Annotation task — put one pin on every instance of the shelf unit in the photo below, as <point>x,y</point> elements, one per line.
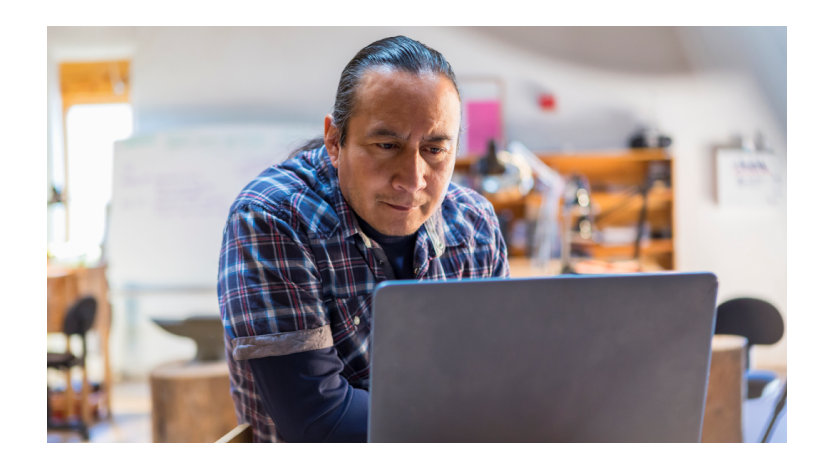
<point>615,179</point>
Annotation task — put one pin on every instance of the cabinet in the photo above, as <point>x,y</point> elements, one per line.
<point>618,180</point>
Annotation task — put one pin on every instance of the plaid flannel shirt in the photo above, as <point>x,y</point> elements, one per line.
<point>296,273</point>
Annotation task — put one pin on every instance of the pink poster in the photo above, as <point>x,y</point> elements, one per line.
<point>483,124</point>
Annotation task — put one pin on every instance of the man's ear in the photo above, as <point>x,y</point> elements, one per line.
<point>332,134</point>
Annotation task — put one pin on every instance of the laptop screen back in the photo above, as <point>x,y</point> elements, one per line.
<point>603,358</point>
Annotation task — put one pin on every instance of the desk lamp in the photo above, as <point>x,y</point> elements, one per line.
<point>547,224</point>
<point>502,175</point>
<point>576,196</point>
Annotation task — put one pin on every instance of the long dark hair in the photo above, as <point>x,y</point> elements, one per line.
<point>398,53</point>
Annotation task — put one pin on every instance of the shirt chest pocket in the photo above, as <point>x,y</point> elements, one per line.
<point>350,315</point>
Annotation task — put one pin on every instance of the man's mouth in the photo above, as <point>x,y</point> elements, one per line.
<point>400,208</point>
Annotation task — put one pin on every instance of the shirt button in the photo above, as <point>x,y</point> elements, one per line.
<point>356,320</point>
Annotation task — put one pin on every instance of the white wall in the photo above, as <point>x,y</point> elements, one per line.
<point>187,76</point>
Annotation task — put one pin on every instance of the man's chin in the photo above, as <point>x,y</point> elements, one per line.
<point>394,222</point>
<point>397,229</point>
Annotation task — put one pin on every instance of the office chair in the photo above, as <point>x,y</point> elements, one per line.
<point>759,322</point>
<point>777,411</point>
<point>78,321</point>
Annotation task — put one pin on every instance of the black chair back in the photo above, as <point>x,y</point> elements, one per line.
<point>756,319</point>
<point>759,322</point>
<point>80,316</point>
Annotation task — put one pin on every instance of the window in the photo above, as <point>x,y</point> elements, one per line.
<point>91,131</point>
<point>97,113</point>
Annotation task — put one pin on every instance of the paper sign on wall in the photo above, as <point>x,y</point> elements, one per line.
<point>747,178</point>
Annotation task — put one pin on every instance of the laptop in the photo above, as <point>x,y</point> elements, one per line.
<point>591,358</point>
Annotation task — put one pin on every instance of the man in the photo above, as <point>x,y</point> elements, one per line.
<point>308,240</point>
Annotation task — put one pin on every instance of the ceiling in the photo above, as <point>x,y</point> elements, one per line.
<point>622,49</point>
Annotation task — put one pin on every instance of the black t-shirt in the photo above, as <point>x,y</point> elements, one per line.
<point>398,250</point>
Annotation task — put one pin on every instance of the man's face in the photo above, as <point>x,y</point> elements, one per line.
<point>399,154</point>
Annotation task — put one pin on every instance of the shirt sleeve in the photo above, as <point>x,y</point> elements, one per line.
<point>308,398</point>
<point>269,288</point>
<point>273,312</point>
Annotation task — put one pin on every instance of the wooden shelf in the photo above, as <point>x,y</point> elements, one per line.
<point>615,177</point>
<point>615,208</point>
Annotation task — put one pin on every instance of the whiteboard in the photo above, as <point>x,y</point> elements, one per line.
<point>171,196</point>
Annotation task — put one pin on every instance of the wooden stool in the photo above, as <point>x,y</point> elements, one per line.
<point>190,402</point>
<point>725,392</point>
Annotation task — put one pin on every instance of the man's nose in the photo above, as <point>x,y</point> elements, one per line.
<point>410,172</point>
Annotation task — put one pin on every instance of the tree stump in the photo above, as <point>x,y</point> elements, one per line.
<point>191,402</point>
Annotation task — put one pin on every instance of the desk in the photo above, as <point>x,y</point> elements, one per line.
<point>61,291</point>
<point>524,267</point>
<point>725,391</point>
<point>64,285</point>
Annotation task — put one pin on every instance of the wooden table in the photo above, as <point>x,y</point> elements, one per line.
<point>61,291</point>
<point>725,392</point>
<point>65,285</point>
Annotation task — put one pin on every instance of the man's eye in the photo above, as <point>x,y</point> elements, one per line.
<point>385,146</point>
<point>436,151</point>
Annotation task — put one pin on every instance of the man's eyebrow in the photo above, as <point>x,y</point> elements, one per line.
<point>437,138</point>
<point>383,132</point>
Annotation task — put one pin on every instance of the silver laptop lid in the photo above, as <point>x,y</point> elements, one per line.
<point>599,358</point>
